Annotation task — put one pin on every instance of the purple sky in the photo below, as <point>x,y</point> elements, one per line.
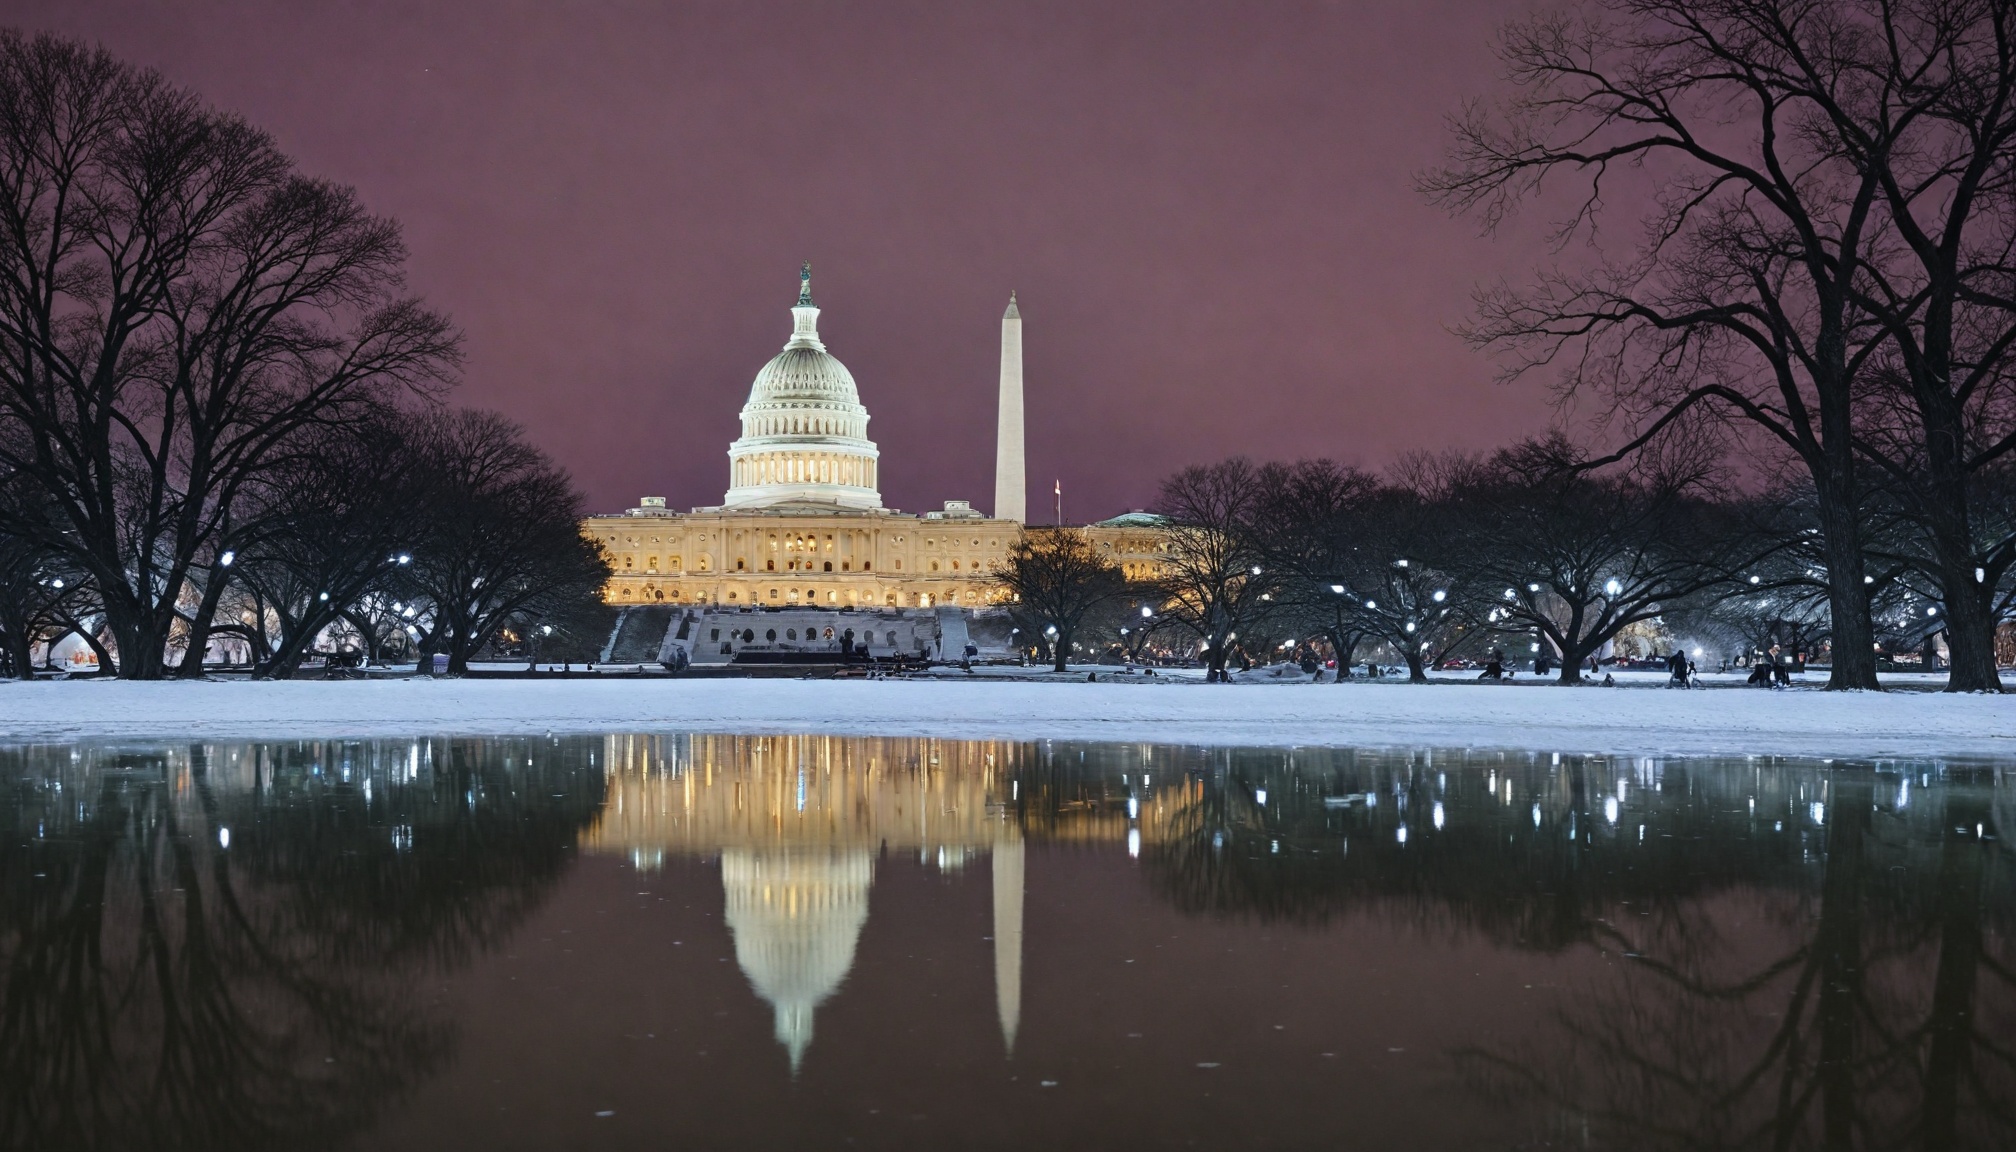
<point>1207,212</point>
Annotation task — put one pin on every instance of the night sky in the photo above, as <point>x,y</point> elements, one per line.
<point>1207,212</point>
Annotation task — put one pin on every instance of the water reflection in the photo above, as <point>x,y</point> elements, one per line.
<point>1805,955</point>
<point>217,947</point>
<point>224,946</point>
<point>797,822</point>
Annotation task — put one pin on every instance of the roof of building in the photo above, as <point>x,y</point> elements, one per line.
<point>1134,519</point>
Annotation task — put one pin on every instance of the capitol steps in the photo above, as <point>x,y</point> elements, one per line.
<point>639,635</point>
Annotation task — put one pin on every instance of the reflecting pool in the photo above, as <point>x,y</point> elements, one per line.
<point>799,942</point>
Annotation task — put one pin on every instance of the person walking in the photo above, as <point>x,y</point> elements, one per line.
<point>1676,667</point>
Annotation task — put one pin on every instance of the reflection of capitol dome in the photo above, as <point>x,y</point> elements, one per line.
<point>796,917</point>
<point>804,431</point>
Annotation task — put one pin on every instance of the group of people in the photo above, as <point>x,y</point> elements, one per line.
<point>1771,671</point>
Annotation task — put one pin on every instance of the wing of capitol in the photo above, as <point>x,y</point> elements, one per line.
<point>802,530</point>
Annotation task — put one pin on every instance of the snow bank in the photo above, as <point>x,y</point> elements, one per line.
<point>1624,720</point>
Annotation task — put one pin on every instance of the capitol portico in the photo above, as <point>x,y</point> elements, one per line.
<point>802,522</point>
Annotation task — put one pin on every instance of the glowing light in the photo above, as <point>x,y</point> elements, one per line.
<point>1337,588</point>
<point>1818,812</point>
<point>227,558</point>
<point>1440,596</point>
<point>1612,588</point>
<point>1260,796</point>
<point>1134,843</point>
<point>1400,834</point>
<point>1438,814</point>
<point>224,837</point>
<point>1536,815</point>
<point>1610,809</point>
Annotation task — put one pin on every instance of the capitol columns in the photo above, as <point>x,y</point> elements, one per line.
<point>1010,473</point>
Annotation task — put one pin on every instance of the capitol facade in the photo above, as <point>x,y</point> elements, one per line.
<point>802,524</point>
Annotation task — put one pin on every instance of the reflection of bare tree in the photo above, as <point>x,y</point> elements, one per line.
<point>1868,1015</point>
<point>1800,961</point>
<point>189,963</point>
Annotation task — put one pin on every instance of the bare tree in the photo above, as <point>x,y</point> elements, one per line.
<point>41,593</point>
<point>1765,239</point>
<point>343,515</point>
<point>1577,557</point>
<point>1058,580</point>
<point>502,541</point>
<point>1307,523</point>
<point>1216,571</point>
<point>176,303</point>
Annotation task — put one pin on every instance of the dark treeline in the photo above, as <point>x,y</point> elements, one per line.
<point>1520,554</point>
<point>1527,556</point>
<point>220,416</point>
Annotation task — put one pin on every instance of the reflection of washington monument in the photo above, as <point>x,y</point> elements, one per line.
<point>798,822</point>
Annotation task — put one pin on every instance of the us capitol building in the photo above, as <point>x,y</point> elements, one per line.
<point>802,524</point>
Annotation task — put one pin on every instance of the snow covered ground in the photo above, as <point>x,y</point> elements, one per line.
<point>1637,717</point>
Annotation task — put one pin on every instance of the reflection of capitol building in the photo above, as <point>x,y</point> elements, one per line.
<point>797,822</point>
<point>796,917</point>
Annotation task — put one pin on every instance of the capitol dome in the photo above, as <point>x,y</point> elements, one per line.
<point>804,432</point>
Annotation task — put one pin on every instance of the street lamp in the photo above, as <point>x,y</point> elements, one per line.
<point>225,560</point>
<point>1612,588</point>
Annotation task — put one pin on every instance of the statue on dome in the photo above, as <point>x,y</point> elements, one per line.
<point>805,285</point>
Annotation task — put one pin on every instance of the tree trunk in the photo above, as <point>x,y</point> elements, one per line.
<point>1854,645</point>
<point>1838,948</point>
<point>199,627</point>
<point>1343,651</point>
<point>1060,651</point>
<point>20,654</point>
<point>1417,672</point>
<point>1572,660</point>
<point>1953,988</point>
<point>1969,623</point>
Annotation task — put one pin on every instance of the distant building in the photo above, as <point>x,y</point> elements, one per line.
<point>802,523</point>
